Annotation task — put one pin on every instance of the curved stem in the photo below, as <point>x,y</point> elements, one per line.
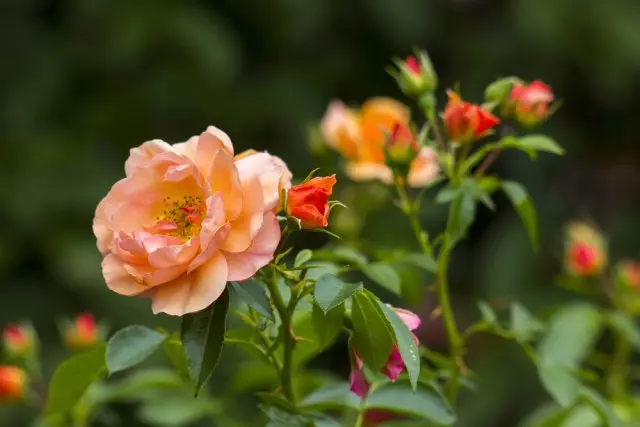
<point>409,209</point>
<point>286,373</point>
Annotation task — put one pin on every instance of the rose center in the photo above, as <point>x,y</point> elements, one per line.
<point>181,217</point>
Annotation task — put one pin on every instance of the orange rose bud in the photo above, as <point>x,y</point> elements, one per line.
<point>401,146</point>
<point>531,102</point>
<point>17,340</point>
<point>628,275</point>
<point>585,250</point>
<point>466,122</point>
<point>12,383</point>
<point>83,333</point>
<point>309,201</point>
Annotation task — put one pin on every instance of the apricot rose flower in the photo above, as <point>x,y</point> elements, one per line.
<point>187,218</point>
<point>360,136</point>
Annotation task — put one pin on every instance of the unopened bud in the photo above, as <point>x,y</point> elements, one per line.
<point>401,146</point>
<point>585,250</point>
<point>18,341</point>
<point>499,91</point>
<point>415,75</point>
<point>13,383</point>
<point>628,275</point>
<point>82,333</point>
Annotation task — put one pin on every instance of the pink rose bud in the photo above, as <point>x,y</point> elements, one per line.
<point>531,102</point>
<point>13,382</point>
<point>585,250</point>
<point>394,366</point>
<point>628,275</point>
<point>83,333</point>
<point>415,75</point>
<point>18,341</point>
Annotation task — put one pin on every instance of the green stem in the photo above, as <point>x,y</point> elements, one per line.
<point>286,373</point>
<point>453,336</point>
<point>619,370</point>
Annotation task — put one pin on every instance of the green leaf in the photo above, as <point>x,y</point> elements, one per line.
<point>280,418</point>
<point>202,338</point>
<point>384,275</point>
<point>461,214</point>
<point>176,355</point>
<point>302,257</point>
<point>549,415</point>
<point>524,206</point>
<point>422,261</point>
<point>130,346</point>
<point>571,335</point>
<point>447,195</point>
<point>177,411</point>
<point>330,291</point>
<point>600,406</point>
<point>538,143</point>
<point>73,377</point>
<point>342,254</point>
<point>489,316</point>
<point>498,90</point>
<point>626,326</point>
<point>424,403</point>
<point>582,416</point>
<point>560,383</point>
<point>523,324</point>
<point>331,397</point>
<point>327,324</point>
<point>252,293</point>
<point>404,339</point>
<point>372,335</point>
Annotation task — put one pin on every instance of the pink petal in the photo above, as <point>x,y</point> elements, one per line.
<point>395,365</point>
<point>272,173</point>
<point>369,171</point>
<point>244,265</point>
<point>245,227</point>
<point>222,177</point>
<point>409,318</point>
<point>359,384</point>
<point>424,168</point>
<point>118,278</point>
<point>140,155</point>
<point>215,230</point>
<point>192,292</point>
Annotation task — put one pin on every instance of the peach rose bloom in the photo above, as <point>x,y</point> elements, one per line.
<point>359,136</point>
<point>188,218</point>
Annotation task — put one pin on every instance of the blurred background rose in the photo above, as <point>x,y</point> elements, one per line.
<point>82,81</point>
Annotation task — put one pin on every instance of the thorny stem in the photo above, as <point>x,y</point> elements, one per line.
<point>286,374</point>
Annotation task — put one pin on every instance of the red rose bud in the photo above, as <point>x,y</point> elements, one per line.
<point>585,250</point>
<point>415,76</point>
<point>18,341</point>
<point>466,122</point>
<point>309,202</point>
<point>531,102</point>
<point>82,333</point>
<point>12,384</point>
<point>401,146</point>
<point>628,275</point>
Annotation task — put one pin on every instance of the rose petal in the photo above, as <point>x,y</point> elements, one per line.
<point>118,278</point>
<point>244,265</point>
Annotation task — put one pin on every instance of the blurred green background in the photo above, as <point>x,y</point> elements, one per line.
<point>83,81</point>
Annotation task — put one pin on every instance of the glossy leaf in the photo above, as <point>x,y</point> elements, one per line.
<point>372,334</point>
<point>523,324</point>
<point>523,204</point>
<point>404,339</point>
<point>400,398</point>
<point>252,293</point>
<point>330,291</point>
<point>73,377</point>
<point>384,275</point>
<point>130,346</point>
<point>202,338</point>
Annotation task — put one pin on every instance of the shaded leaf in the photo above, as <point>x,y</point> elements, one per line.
<point>422,261</point>
<point>302,257</point>
<point>175,353</point>
<point>523,324</point>
<point>330,291</point>
<point>600,406</point>
<point>372,335</point>
<point>333,396</point>
<point>461,214</point>
<point>625,325</point>
<point>130,346</point>
<point>523,204</point>
<point>202,338</point>
<point>488,314</point>
<point>252,293</point>
<point>560,383</point>
<point>327,324</point>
